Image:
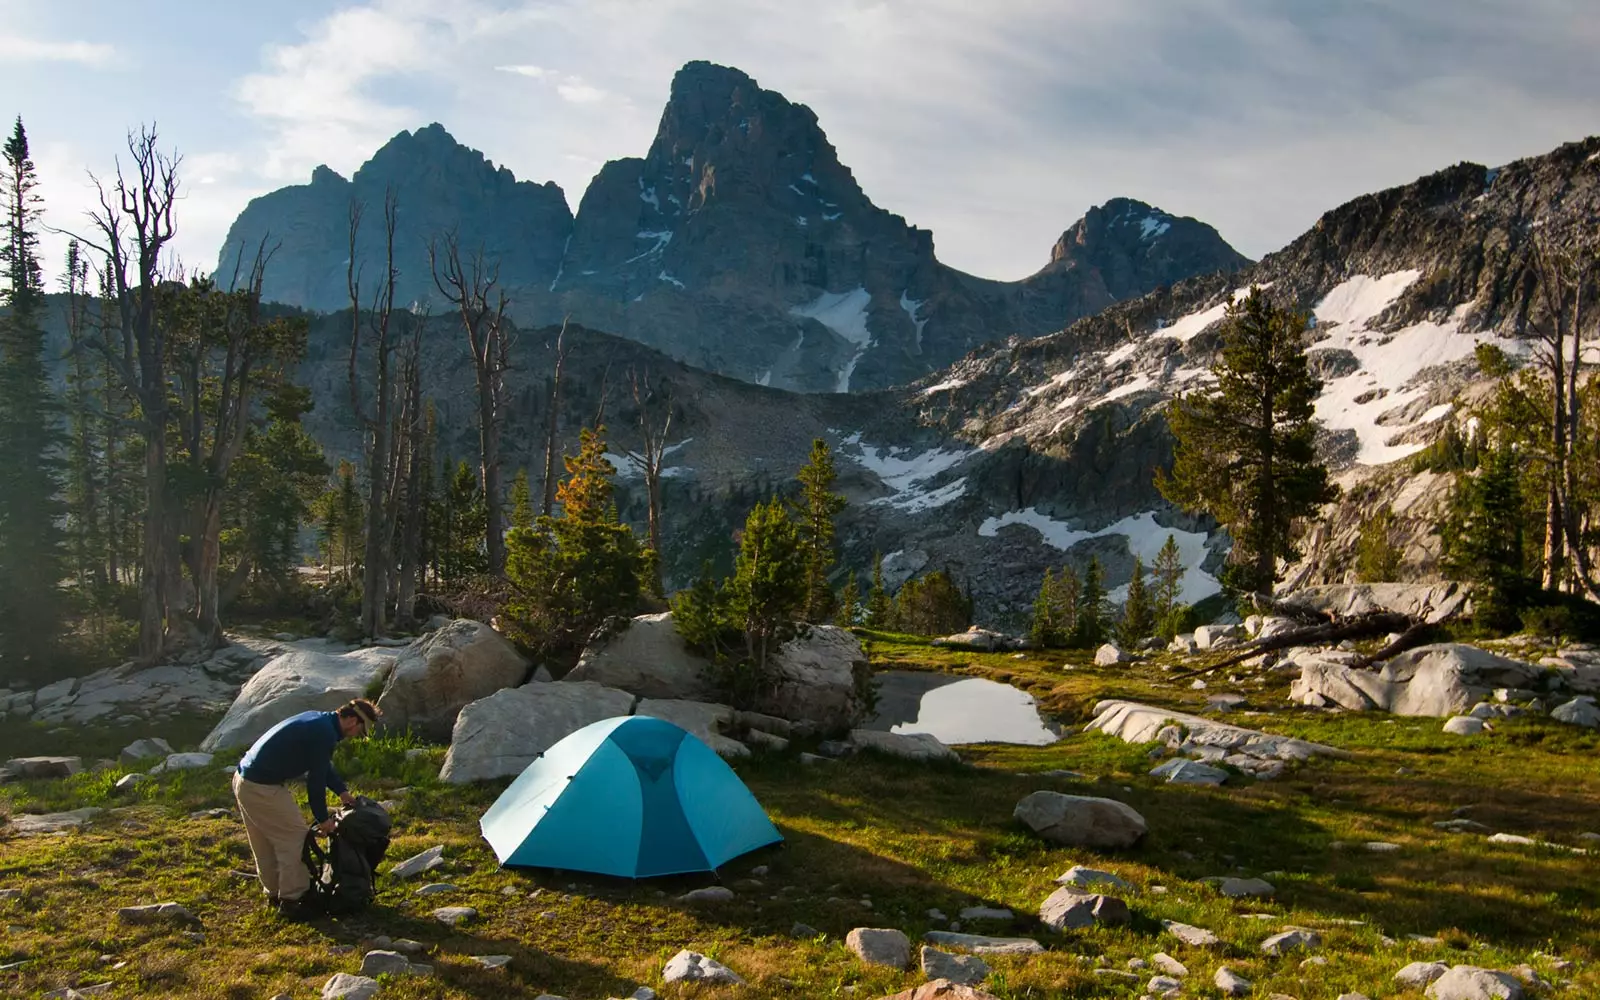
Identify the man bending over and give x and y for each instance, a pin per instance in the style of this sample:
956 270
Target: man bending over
298 747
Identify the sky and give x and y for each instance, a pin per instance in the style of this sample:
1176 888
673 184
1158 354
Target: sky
993 125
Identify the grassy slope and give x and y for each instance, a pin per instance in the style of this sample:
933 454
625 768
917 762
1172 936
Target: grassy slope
905 837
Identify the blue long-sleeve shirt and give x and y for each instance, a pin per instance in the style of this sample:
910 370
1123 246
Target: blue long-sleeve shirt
299 745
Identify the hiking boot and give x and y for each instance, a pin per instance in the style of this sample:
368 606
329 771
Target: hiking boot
296 910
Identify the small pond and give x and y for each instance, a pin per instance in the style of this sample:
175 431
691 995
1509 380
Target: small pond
958 710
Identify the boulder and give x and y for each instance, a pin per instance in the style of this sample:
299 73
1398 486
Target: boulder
1464 725
941 989
1297 939
968 970
1439 680
30 824
1206 636
692 967
344 986
1432 601
44 767
909 746
1069 909
1137 723
499 736
1245 888
155 913
1231 983
817 678
880 946
1419 974
454 916
384 963
1468 982
1194 937
1109 655
297 681
1578 712
647 658
980 944
183 762
1180 771
144 749
444 671
980 640
708 723
1080 820
1171 966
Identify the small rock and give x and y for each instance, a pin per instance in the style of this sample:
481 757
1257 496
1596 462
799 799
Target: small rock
144 749
1468 982
986 913
1314 962
128 781
1068 909
492 961
435 889
880 946
1171 966
710 894
1163 985
1461 826
1354 996
1292 940
155 913
979 944
1231 983
1109 655
1195 937
1181 771
1083 878
408 946
510 890
344 986
454 915
1419 974
800 930
1381 847
1464 725
415 865
968 970
643 993
1241 888
381 963
690 966
44 767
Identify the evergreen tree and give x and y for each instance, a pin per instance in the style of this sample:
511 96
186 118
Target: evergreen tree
1042 629
1244 449
879 610
1063 602
849 609
1138 613
31 544
932 605
85 521
818 506
768 591
1090 629
1484 538
1377 557
464 555
521 501
1167 579
341 519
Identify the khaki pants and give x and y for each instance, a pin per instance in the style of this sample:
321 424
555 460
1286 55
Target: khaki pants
277 832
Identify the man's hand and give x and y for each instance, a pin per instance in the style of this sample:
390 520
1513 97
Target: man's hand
347 798
325 827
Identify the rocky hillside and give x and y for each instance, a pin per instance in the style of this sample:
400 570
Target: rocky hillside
738 243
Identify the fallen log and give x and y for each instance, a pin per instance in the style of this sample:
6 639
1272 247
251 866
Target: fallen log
1412 637
1363 626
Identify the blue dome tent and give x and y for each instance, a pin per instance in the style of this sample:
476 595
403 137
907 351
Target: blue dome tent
630 796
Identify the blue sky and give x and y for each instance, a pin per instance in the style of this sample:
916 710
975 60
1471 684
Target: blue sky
993 125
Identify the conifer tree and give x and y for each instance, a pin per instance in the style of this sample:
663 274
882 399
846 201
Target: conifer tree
521 501
879 610
1377 557
849 609
1042 630
1138 612
1167 579
1244 449
464 553
1484 537
1090 628
767 591
1064 597
31 543
818 506
340 517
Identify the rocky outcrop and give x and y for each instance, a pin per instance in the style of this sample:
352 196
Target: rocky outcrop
1430 602
1262 755
709 723
499 736
646 657
439 674
1440 680
297 681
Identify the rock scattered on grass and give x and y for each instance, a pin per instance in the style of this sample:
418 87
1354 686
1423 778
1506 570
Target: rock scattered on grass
1194 937
980 944
1464 725
344 986
1182 771
1231 983
880 946
691 966
968 970
29 824
710 894
1070 909
492 961
1419 974
1245 888
986 913
454 915
1468 982
1169 965
1081 820
1297 939
1578 712
1163 986
942 989
435 888
415 865
800 930
1083 878
153 913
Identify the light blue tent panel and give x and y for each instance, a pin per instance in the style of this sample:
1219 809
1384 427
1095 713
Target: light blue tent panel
630 796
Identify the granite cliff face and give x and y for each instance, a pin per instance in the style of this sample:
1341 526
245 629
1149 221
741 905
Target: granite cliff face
739 243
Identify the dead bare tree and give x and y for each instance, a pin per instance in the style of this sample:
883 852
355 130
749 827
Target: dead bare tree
377 421
134 223
412 458
655 422
472 286
552 441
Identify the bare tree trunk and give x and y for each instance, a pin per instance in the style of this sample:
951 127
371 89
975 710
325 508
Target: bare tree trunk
651 455
412 508
552 432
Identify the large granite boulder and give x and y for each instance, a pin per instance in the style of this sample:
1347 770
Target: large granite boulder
647 658
1439 680
1081 820
708 723
1433 601
297 681
439 674
499 736
820 678
1199 736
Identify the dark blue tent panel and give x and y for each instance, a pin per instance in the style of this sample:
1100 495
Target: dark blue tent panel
630 796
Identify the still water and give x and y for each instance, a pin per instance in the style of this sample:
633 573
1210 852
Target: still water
958 710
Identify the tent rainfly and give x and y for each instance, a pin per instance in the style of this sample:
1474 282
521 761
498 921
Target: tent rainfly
630 796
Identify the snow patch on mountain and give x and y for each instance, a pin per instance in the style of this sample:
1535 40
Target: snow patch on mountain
1186 328
845 313
912 307
909 474
1151 227
1144 536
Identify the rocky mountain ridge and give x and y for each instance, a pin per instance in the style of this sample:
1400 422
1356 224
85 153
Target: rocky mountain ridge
738 243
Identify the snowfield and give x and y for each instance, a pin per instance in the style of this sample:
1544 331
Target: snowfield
1145 538
845 313
908 474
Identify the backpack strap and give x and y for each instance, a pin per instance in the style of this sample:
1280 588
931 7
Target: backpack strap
314 858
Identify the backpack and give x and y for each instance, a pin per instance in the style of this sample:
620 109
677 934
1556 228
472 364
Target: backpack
343 876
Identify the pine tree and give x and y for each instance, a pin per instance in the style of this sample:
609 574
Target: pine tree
1042 630
818 506
464 555
1138 613
1244 449
849 609
1093 611
31 544
1484 538
1377 557
341 518
768 592
1064 599
521 501
879 611
1167 576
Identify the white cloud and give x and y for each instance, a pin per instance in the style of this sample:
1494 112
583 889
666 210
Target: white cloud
578 92
19 49
537 72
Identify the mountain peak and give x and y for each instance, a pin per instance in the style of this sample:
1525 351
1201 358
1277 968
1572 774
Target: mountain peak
1134 244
